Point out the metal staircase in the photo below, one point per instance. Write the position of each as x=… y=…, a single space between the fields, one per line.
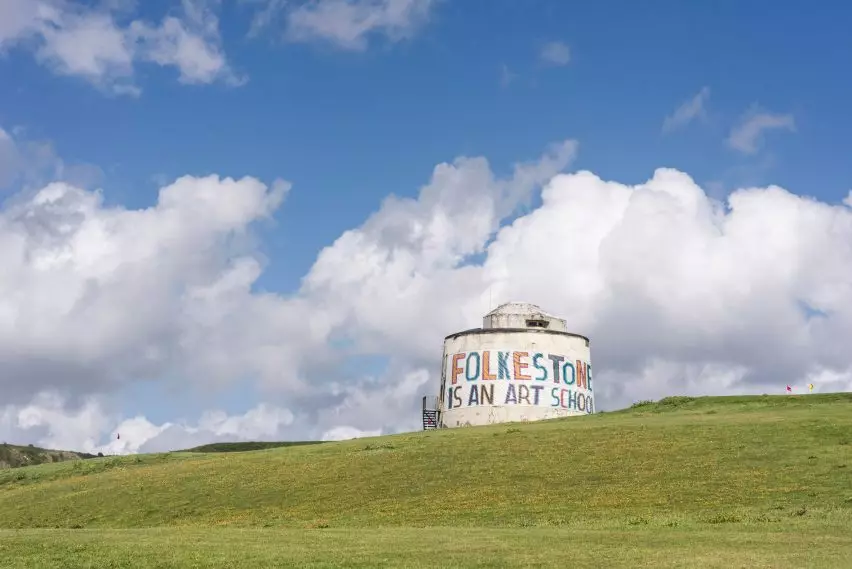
x=430 y=419
x=430 y=413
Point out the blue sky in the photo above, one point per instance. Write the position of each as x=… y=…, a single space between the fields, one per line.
x=347 y=127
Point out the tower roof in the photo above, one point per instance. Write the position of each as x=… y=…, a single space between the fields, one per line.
x=519 y=309
x=522 y=315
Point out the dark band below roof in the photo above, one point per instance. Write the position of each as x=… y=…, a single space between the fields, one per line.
x=511 y=330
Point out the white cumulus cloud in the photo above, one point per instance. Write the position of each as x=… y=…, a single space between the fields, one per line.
x=79 y=39
x=91 y=295
x=679 y=293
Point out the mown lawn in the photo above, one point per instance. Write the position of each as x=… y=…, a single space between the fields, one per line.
x=710 y=482
x=796 y=546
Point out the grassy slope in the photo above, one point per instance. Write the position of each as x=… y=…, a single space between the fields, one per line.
x=715 y=475
x=14 y=456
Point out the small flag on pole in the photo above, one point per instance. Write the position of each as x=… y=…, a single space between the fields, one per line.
x=789 y=389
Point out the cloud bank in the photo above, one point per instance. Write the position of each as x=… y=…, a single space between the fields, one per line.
x=679 y=293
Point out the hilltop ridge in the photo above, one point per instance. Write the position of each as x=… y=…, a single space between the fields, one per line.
x=16 y=456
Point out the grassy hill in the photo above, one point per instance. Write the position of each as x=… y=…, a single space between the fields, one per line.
x=709 y=482
x=14 y=456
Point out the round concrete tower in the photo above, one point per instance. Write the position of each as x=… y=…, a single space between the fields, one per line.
x=522 y=365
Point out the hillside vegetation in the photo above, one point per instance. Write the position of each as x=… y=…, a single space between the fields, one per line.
x=14 y=456
x=707 y=482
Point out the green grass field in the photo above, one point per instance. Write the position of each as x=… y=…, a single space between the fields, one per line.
x=710 y=482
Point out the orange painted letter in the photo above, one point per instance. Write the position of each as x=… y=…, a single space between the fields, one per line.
x=456 y=369
x=486 y=365
x=519 y=367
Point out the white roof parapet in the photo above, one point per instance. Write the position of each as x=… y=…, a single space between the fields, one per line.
x=522 y=315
